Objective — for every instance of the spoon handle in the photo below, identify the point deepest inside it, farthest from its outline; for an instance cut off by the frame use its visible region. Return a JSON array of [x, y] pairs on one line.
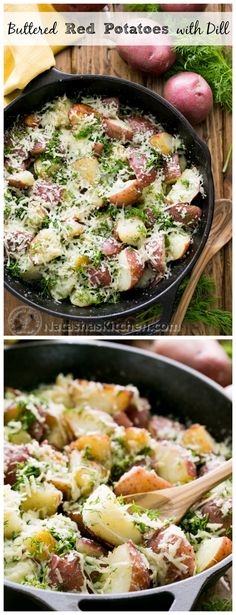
[[192, 491]]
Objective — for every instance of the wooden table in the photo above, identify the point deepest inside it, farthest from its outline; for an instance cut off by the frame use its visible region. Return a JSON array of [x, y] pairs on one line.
[[216, 131]]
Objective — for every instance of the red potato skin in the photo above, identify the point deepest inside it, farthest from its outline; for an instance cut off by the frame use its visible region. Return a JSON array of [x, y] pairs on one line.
[[215, 515], [90, 547], [99, 277], [190, 94], [139, 480], [38, 148], [78, 110], [114, 100], [135, 264], [158, 425], [17, 242], [171, 169], [138, 163], [127, 196], [139, 417], [141, 124], [185, 213], [122, 419], [155, 250], [140, 573], [110, 247], [117, 132], [210, 465], [185, 550], [149, 59], [69, 570], [48, 192], [98, 148], [31, 121], [13, 457], [206, 356]]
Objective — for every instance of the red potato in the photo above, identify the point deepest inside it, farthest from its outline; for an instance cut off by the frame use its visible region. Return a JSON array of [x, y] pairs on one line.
[[138, 480], [179, 8], [162, 428], [198, 438], [211, 551], [140, 124], [136, 439], [47, 193], [110, 247], [206, 356], [185, 213], [17, 242], [117, 129], [215, 511], [178, 245], [214, 462], [112, 103], [190, 94], [162, 142], [38, 148], [128, 195], [98, 148], [122, 419], [129, 570], [22, 180], [100, 276], [76, 516], [138, 163], [131, 268], [90, 547], [130, 230], [12, 458], [171, 169], [78, 111], [150, 59], [155, 252], [139, 416], [171, 544], [65, 573], [31, 120], [173, 463]]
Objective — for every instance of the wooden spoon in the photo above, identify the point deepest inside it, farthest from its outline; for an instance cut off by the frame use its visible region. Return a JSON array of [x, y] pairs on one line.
[[220, 234], [174, 502]]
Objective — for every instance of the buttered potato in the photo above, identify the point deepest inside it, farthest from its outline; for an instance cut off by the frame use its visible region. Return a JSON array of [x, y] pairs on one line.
[[76, 453]]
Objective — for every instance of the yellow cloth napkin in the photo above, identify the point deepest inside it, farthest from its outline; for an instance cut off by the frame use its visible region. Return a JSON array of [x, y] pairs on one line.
[[19, 67]]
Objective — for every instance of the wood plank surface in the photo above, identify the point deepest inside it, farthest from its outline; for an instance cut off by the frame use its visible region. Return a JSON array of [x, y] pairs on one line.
[[216, 132]]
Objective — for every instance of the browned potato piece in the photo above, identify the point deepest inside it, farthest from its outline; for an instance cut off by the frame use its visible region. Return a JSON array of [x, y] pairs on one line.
[[171, 169], [90, 547], [65, 573], [163, 142], [97, 445], [117, 129], [128, 195], [185, 213], [198, 438], [129, 570], [79, 110], [138, 480], [162, 428], [21, 180], [171, 544], [139, 416], [88, 168], [109, 398], [31, 120], [211, 551], [136, 439], [122, 419], [131, 268], [40, 544], [173, 463]]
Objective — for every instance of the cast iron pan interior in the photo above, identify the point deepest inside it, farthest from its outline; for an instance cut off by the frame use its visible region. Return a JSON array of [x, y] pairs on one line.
[[42, 90], [172, 389]]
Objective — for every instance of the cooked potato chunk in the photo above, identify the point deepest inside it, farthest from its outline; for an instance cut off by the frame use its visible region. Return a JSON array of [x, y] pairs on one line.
[[12, 518], [97, 446], [126, 194], [173, 463], [44, 498], [177, 558], [40, 544], [109, 520], [88, 169], [186, 187], [199, 439], [45, 247], [178, 244], [138, 480], [22, 179], [128, 570], [117, 129], [211, 551], [131, 231], [131, 267], [163, 142], [18, 572], [136, 439], [111, 398], [78, 111], [85, 420]]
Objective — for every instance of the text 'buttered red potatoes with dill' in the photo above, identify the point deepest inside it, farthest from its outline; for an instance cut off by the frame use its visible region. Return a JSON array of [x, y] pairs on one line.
[[98, 200], [73, 450]]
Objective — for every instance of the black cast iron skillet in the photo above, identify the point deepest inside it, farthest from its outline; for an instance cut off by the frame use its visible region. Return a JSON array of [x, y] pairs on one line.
[[55, 83], [171, 389]]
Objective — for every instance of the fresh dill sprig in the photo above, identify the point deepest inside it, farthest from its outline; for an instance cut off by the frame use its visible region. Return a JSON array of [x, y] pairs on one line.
[[202, 307], [217, 604], [213, 63], [150, 8]]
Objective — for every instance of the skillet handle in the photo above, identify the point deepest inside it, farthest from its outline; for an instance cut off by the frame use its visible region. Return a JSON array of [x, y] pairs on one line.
[[52, 75], [161, 325]]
